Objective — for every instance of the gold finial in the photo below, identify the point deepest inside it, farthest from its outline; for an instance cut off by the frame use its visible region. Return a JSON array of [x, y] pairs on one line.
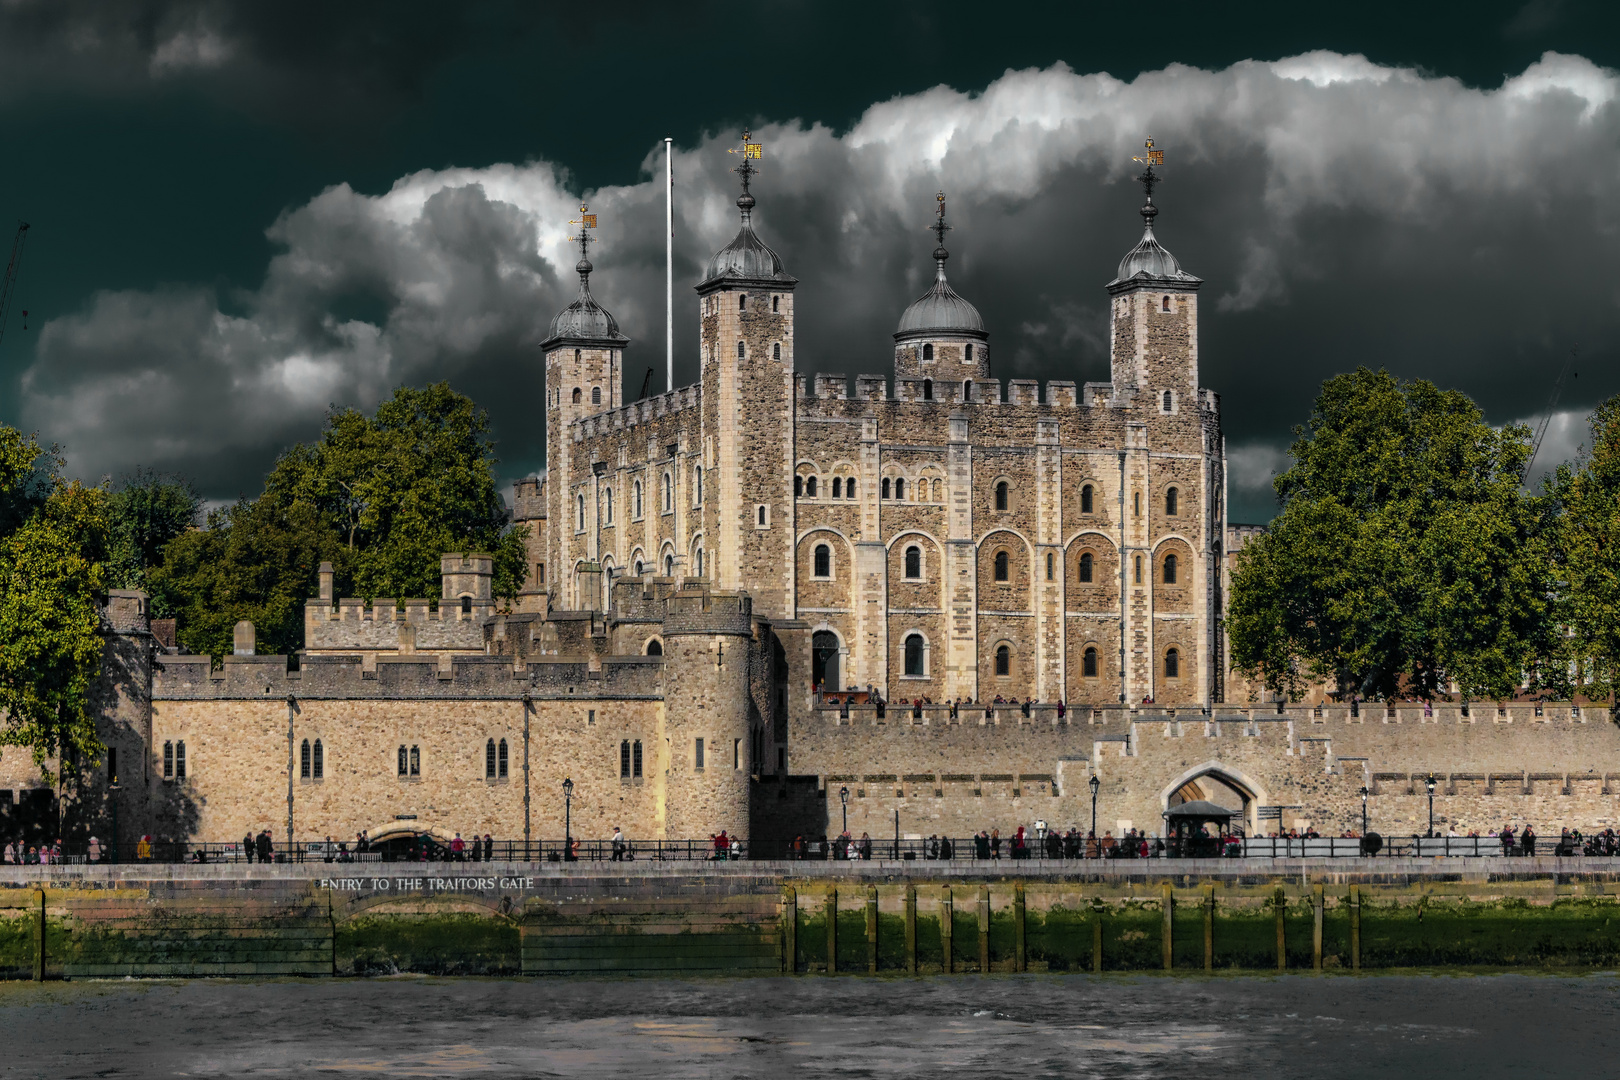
[[1149, 156], [586, 221]]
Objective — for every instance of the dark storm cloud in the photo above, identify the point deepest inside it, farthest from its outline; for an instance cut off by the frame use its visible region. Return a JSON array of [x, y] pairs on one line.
[[1340, 213]]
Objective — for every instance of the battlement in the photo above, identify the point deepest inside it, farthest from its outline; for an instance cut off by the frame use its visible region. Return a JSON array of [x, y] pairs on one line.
[[646, 410], [529, 498], [1057, 394], [702, 611], [406, 678]]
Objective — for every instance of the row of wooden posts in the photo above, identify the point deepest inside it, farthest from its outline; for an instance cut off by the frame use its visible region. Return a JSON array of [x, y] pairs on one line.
[[1020, 958]]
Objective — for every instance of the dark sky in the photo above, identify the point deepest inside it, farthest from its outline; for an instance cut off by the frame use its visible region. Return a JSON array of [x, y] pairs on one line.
[[243, 212]]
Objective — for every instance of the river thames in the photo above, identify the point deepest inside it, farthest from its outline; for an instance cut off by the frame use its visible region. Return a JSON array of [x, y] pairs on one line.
[[1248, 1027]]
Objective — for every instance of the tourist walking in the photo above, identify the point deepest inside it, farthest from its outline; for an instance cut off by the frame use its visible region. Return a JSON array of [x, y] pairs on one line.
[[618, 845], [1527, 840], [489, 848], [247, 846]]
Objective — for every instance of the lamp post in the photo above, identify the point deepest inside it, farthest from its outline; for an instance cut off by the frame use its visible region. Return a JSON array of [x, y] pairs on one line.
[[843, 797], [568, 825], [1095, 784], [1040, 836], [1428, 782], [1364, 794], [113, 789]]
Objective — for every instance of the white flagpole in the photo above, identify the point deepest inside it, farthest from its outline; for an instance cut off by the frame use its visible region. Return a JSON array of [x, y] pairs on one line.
[[669, 264]]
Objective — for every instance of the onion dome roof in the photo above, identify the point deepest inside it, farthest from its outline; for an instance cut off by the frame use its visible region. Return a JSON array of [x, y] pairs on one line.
[[585, 318], [1149, 262], [940, 310], [746, 258]]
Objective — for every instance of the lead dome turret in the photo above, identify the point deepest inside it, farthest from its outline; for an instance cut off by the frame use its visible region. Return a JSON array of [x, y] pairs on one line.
[[941, 335]]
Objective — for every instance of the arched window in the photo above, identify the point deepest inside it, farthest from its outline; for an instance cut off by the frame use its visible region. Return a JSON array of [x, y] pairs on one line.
[[404, 768], [697, 483], [1003, 660], [655, 647], [928, 353], [578, 353], [320, 760], [776, 303], [1139, 569], [1001, 566], [967, 353], [967, 389], [1086, 499], [466, 605], [180, 760], [1172, 663], [1169, 569], [741, 352], [838, 487], [798, 487], [1088, 666], [303, 760], [596, 395], [1136, 503], [762, 520], [1171, 499], [914, 654], [849, 488], [416, 761], [699, 556], [742, 302], [1088, 568], [669, 493], [1169, 401], [608, 493], [776, 350], [501, 760], [1051, 565], [576, 395], [913, 562], [639, 568], [885, 487], [900, 487], [1001, 495], [635, 758], [823, 561], [579, 511], [928, 389], [637, 492], [489, 759], [669, 566], [810, 486], [624, 760], [1166, 304], [939, 490]]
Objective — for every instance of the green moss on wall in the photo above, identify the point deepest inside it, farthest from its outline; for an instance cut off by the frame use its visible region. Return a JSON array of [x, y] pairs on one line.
[[452, 944]]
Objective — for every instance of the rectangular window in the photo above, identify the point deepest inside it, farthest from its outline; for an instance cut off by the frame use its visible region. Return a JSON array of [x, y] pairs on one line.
[[540, 573], [320, 760], [416, 761], [303, 761], [180, 760], [698, 757], [403, 768], [624, 760], [591, 718], [635, 759], [503, 759], [736, 753], [168, 761]]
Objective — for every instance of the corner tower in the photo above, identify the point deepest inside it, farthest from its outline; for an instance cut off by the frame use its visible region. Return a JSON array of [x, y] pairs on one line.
[[584, 357], [746, 316], [1153, 348], [941, 336]]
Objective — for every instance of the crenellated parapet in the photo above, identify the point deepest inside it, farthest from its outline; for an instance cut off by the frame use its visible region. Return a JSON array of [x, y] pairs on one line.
[[647, 410]]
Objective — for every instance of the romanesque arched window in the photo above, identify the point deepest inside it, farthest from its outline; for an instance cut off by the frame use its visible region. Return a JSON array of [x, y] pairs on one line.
[[1088, 568], [967, 389], [885, 487], [967, 353], [635, 759], [900, 487], [798, 487], [698, 559], [596, 395], [669, 566], [1003, 660], [913, 562], [1169, 404], [1086, 496], [576, 395], [838, 487], [489, 759], [1001, 495], [1171, 499], [928, 389], [915, 653], [823, 561], [502, 760], [776, 350], [1088, 666], [578, 354], [776, 303], [1169, 570], [579, 511], [1001, 566], [320, 760], [655, 647], [1172, 663], [928, 353], [742, 301], [810, 486], [303, 760], [466, 605], [741, 352]]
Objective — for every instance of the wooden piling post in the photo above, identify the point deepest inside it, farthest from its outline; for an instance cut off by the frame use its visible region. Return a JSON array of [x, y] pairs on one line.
[[790, 930], [1316, 932], [984, 928], [1209, 926], [1168, 904], [1281, 904], [832, 931], [1096, 935], [871, 930], [1355, 928], [39, 938], [1020, 957], [947, 926], [911, 929]]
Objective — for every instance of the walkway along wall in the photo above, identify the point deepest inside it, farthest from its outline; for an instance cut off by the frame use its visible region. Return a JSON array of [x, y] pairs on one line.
[[78, 922]]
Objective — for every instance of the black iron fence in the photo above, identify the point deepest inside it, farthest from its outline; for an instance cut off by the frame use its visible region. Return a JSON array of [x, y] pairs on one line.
[[1034, 848]]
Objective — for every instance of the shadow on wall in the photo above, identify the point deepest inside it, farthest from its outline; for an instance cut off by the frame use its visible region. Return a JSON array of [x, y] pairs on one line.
[[781, 808]]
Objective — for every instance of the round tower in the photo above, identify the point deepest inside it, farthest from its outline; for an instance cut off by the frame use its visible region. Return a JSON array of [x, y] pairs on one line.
[[941, 336], [707, 638]]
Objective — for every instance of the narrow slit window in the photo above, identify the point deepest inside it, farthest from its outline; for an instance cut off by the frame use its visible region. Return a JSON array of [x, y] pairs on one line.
[[1088, 568], [776, 303], [1001, 566], [697, 754], [1001, 495], [1172, 664], [1169, 569], [1051, 565], [928, 389], [1090, 663], [1139, 569], [1003, 660], [1172, 500], [1086, 499]]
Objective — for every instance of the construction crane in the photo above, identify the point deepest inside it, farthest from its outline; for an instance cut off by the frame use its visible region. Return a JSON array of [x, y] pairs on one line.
[[646, 384], [1552, 406], [10, 281]]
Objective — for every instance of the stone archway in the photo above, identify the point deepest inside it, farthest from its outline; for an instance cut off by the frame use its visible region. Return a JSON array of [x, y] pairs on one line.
[[1220, 783]]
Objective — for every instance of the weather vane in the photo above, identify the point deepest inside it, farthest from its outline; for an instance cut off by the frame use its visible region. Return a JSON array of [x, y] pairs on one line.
[[586, 220], [939, 227], [750, 151], [1149, 157]]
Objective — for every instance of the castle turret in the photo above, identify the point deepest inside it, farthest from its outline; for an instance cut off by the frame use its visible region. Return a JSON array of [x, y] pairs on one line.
[[941, 336], [1154, 347], [745, 533], [706, 713], [584, 356]]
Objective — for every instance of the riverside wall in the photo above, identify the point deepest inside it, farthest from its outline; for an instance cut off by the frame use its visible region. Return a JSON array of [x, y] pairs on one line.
[[765, 918]]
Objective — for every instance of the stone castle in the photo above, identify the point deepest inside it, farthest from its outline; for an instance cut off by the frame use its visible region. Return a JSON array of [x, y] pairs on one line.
[[753, 595]]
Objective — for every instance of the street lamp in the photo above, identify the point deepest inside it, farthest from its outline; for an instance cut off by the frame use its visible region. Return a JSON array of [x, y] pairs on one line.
[[1095, 784], [1428, 782], [113, 789], [1040, 836], [843, 797], [1364, 794], [568, 827]]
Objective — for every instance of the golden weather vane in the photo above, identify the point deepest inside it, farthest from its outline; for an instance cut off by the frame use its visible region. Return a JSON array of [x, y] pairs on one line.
[[1149, 156], [585, 221], [750, 151]]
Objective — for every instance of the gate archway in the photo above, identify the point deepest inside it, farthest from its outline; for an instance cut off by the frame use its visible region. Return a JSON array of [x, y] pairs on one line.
[[1219, 783]]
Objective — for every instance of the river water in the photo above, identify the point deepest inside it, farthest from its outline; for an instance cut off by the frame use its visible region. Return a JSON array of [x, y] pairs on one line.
[[1251, 1027]]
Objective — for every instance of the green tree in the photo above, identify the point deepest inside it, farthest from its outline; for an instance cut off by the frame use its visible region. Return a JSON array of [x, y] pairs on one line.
[[1406, 555], [53, 547], [1588, 561], [379, 497], [145, 511]]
